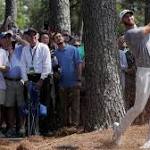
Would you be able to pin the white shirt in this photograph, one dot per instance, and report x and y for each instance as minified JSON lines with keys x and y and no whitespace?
{"x":123,"y":65}
{"x":41,"y":57}
{"x":3,"y":62}
{"x":123,"y":59}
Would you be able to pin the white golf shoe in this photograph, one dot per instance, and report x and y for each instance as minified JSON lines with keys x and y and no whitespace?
{"x":116,"y":134}
{"x":146,"y":145}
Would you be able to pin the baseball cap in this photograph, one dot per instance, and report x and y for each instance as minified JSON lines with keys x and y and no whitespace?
{"x":125,"y":11}
{"x":31,"y":32}
{"x":5,"y":34}
{"x":2,"y":35}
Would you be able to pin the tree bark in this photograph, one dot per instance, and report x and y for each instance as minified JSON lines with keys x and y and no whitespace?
{"x":11,"y":9}
{"x":60,"y":15}
{"x":10,"y":15}
{"x":104,"y":99}
{"x":147,"y":11}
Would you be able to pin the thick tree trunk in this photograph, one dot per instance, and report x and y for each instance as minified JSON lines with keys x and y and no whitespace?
{"x":60,"y":15}
{"x":104,"y":102}
{"x":10,"y":15}
{"x":11,"y":9}
{"x":147,"y":11}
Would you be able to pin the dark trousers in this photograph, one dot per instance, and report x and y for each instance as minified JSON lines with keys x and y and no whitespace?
{"x":70,"y":105}
{"x":47,"y":122}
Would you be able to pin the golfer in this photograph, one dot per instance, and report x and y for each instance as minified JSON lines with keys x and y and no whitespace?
{"x":138,"y":40}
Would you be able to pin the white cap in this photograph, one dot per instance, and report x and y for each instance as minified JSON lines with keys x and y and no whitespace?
{"x":122,"y":13}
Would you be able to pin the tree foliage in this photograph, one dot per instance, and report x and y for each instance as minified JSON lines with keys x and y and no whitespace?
{"x":76,"y":15}
{"x":22,"y":16}
{"x":36,"y":13}
{"x":2,"y":10}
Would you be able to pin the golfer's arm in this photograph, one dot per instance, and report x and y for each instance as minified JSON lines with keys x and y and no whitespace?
{"x":147,"y":29}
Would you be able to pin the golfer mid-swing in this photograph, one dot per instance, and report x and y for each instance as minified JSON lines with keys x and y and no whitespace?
{"x":138,"y":40}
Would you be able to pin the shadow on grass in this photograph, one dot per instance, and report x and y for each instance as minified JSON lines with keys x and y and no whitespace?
{"x":107,"y":145}
{"x":66,"y":147}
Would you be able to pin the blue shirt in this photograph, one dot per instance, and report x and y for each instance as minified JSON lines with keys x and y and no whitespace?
{"x":14,"y":64}
{"x":68,"y":59}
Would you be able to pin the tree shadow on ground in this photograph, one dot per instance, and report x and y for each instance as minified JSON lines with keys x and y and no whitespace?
{"x":66,"y":131}
{"x":107,"y":145}
{"x":66,"y":147}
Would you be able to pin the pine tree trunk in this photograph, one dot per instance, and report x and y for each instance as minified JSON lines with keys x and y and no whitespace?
{"x":147,"y":11}
{"x":10,"y":15}
{"x":11,"y":9}
{"x":104,"y":100}
{"x":60,"y":15}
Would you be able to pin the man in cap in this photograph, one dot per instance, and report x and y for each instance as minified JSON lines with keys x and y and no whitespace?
{"x":14,"y":91}
{"x":3,"y":68}
{"x":139,"y":43}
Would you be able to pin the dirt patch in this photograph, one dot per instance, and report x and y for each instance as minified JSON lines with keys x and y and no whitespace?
{"x":97,"y":140}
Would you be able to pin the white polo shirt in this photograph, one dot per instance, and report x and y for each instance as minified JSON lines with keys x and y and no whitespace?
{"x":3,"y":62}
{"x":38,"y":57}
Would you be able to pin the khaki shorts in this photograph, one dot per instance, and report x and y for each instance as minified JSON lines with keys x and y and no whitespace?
{"x":14,"y":94}
{"x":2,"y":96}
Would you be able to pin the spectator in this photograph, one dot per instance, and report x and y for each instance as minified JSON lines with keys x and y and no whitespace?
{"x":70,"y":80}
{"x":14,"y":91}
{"x":80,"y":46}
{"x":3,"y":68}
{"x":77,"y":43}
{"x":67,"y":36}
{"x":36,"y":65}
{"x":122,"y":58}
{"x":44,"y":38}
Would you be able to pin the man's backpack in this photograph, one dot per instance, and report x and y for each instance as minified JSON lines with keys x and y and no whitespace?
{"x":130,"y":59}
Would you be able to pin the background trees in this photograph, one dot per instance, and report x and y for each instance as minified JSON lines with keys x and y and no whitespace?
{"x":147,"y":11}
{"x":104,"y":97}
{"x":10,"y":14}
{"x":11,"y":9}
{"x":60,"y":15}
{"x":28,"y":12}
